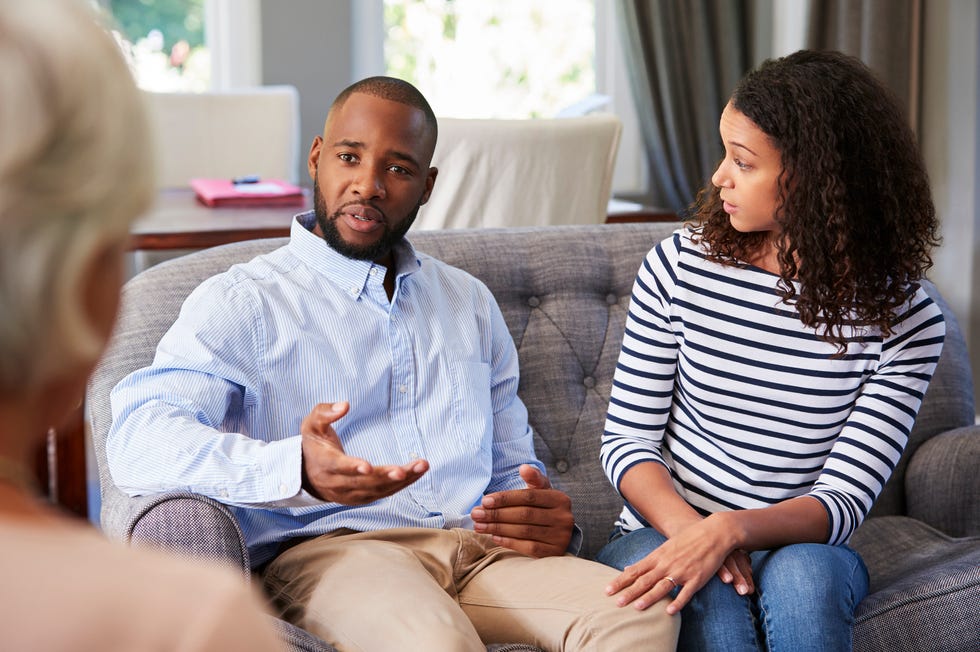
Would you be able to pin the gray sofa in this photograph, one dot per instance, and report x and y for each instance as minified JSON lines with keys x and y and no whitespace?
{"x":564,"y":292}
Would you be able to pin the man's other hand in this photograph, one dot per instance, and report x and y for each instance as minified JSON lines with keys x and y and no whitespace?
{"x":536,"y":521}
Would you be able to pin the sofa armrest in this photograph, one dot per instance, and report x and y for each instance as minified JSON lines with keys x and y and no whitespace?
{"x":191,"y":525}
{"x":942,"y":482}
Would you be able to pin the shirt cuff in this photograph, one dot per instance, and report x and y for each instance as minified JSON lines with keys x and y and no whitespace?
{"x":281,"y":468}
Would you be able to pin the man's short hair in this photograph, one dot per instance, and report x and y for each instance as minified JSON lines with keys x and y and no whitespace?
{"x":394,"y":90}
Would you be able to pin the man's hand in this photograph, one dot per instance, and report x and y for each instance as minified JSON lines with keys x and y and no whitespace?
{"x":536,"y":521}
{"x":332,"y":475}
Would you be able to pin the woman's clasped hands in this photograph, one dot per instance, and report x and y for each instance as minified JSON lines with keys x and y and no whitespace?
{"x":686,"y":561}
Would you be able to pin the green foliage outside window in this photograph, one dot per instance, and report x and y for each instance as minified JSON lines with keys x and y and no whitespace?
{"x":164,"y":42}
{"x":177,"y":20}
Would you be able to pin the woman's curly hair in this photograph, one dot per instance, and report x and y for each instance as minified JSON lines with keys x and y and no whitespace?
{"x":855,"y":209}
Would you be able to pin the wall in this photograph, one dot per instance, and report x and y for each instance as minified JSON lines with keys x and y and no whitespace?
{"x":308,"y":43}
{"x":949,"y":138}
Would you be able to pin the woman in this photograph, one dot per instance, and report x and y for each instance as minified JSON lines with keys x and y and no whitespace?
{"x":74,"y":172}
{"x":775,"y":356}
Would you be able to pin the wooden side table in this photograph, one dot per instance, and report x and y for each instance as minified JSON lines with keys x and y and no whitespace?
{"x":179,"y":221}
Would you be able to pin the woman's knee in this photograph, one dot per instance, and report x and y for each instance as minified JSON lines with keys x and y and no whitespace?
{"x":812,"y":571}
{"x":807,"y":596}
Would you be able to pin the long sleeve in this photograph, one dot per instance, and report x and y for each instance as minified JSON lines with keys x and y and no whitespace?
{"x":869,"y":446}
{"x":174,"y":423}
{"x":513,"y":442}
{"x":643,"y":383}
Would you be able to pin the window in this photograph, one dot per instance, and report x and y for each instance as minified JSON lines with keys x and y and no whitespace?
{"x":501,"y":59}
{"x":164,"y":42}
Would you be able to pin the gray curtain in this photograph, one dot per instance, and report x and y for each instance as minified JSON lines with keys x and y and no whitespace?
{"x":684,"y":59}
{"x":885,"y":34}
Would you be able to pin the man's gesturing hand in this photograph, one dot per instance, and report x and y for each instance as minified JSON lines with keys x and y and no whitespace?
{"x":536,"y":521}
{"x":332,"y":475}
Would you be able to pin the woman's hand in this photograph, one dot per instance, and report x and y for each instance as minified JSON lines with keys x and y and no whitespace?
{"x":737,"y":571}
{"x":687,"y":560}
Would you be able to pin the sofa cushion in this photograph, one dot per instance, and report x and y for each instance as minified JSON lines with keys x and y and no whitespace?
{"x":925,"y":588}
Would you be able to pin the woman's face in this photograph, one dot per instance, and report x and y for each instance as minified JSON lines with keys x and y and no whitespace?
{"x":748,"y":177}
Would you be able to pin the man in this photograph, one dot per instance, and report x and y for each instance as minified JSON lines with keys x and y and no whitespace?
{"x":409,"y":511}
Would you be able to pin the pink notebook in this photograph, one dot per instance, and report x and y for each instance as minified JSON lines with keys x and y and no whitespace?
{"x":264,"y":192}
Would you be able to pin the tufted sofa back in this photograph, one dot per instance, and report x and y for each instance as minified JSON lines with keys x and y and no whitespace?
{"x":564,"y":292}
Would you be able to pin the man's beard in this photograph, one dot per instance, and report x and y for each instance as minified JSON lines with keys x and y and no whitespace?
{"x":328,"y":226}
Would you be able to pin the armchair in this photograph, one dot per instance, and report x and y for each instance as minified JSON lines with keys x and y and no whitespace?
{"x":497,"y":173}
{"x":226,"y":134}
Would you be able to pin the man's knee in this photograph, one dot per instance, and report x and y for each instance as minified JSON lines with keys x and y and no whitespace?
{"x":626,"y":628}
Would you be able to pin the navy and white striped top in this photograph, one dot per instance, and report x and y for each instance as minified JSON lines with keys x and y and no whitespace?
{"x":721,"y":382}
{"x":432,"y":374}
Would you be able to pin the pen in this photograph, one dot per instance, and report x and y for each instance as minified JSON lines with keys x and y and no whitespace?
{"x":251,"y":178}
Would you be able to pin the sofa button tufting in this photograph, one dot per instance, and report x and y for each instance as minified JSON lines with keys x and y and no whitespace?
{"x":562,"y":466}
{"x":612,"y":299}
{"x":534,"y":302}
{"x":589,"y":382}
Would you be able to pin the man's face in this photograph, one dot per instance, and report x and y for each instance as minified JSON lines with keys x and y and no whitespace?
{"x":371,"y":175}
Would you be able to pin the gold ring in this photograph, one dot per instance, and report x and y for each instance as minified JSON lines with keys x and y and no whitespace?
{"x":671,"y":580}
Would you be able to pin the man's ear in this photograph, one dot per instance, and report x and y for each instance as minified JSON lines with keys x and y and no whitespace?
{"x":430,"y":181}
{"x":313,"y":161}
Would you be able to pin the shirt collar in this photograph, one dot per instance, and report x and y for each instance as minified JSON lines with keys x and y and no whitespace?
{"x":349,"y":274}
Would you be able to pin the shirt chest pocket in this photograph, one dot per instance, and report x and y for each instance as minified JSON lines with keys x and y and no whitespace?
{"x":472,"y":410}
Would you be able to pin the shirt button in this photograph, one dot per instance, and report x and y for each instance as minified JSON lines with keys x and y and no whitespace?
{"x":562,"y":466}
{"x":612,"y":299}
{"x":223,"y":493}
{"x":283,"y":488}
{"x":354,"y":289}
{"x":402,"y":388}
{"x":534,"y":302}
{"x":589,"y":382}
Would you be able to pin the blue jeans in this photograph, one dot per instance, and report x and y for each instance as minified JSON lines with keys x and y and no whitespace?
{"x":805,"y":596}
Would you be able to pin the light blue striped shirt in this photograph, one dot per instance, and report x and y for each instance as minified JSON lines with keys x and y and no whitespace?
{"x":433,"y":374}
{"x":721,"y":382}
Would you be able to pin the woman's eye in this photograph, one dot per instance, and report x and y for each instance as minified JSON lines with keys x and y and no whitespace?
{"x":741,"y":165}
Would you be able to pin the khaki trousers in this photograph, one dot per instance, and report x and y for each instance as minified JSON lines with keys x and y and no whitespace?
{"x":454,"y":590}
